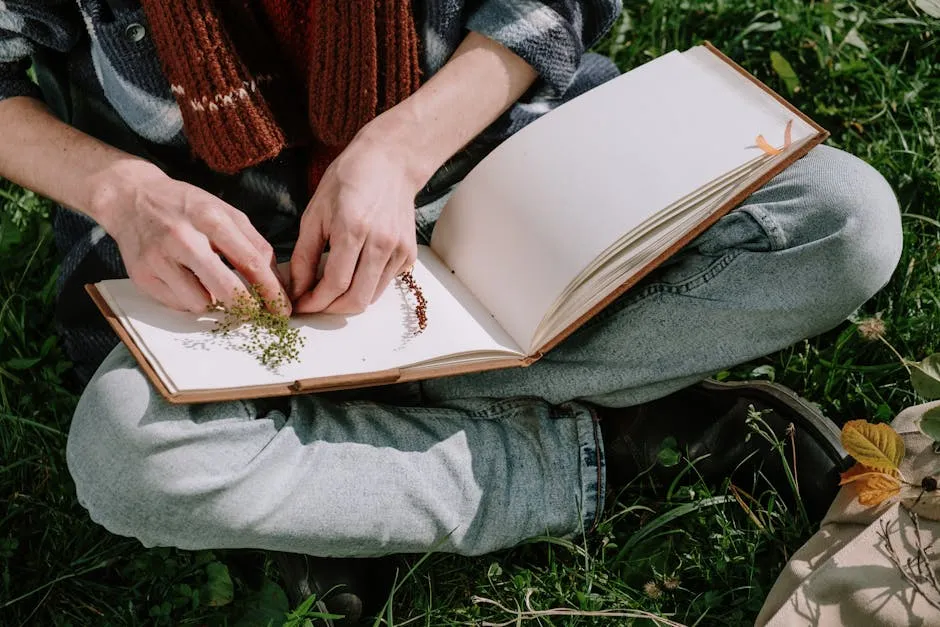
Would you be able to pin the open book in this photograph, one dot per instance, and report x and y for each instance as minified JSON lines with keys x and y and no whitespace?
{"x":552,"y":226}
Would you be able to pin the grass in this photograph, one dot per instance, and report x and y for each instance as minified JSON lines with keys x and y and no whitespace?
{"x":868,"y":71}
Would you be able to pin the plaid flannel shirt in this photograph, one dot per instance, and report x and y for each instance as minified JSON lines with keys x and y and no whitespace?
{"x":109,"y":83}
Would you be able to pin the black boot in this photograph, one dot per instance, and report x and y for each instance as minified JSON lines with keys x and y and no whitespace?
{"x":710,"y":424}
{"x":355,"y":589}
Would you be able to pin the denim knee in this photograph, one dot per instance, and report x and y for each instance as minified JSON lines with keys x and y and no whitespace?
{"x":108,"y":454}
{"x":849,"y":213}
{"x":872,"y":239}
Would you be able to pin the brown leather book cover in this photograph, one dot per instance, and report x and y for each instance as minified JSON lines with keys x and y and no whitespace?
{"x":397,"y":375}
{"x":303,"y":386}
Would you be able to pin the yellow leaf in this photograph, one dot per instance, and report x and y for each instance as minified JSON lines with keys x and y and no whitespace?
{"x":876,"y":488}
{"x":877,"y":446}
{"x":872,"y":486}
{"x":853,"y":474}
{"x":860,"y":471}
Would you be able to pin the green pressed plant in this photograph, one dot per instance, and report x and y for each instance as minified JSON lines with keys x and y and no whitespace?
{"x":259,"y":326}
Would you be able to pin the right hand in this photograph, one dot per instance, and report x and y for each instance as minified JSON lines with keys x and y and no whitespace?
{"x":171,"y":235}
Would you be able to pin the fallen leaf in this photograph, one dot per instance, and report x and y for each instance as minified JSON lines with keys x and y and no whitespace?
{"x":877,"y":446}
{"x":854,"y":473}
{"x":860,"y":472}
{"x":876,"y":488}
{"x":872,"y":486}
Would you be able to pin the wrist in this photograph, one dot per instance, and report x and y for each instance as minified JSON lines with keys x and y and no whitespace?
{"x":400,"y":133}
{"x":115,"y":188}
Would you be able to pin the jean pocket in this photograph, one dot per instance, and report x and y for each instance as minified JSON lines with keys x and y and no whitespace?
{"x":737,"y":230}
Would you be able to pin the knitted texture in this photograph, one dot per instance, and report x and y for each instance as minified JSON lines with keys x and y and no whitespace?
{"x":234,"y":102}
{"x":550,"y":35}
{"x":127,"y":101}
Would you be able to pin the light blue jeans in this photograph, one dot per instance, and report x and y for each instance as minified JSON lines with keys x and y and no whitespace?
{"x":475,"y":463}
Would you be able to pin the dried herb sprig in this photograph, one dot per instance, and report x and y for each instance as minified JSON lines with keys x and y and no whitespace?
{"x":421,"y":303}
{"x":265,"y":329}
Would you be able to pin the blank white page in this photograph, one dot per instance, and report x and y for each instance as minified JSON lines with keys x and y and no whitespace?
{"x":538,"y":210}
{"x":188,"y":356}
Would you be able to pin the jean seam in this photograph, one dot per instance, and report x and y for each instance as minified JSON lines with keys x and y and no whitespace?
{"x":498,"y":409}
{"x":601,"y":469}
{"x":775,"y":234}
{"x":571,"y":411}
{"x":509,"y":409}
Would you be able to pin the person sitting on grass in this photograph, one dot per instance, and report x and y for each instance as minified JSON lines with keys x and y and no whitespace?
{"x":178,"y":136}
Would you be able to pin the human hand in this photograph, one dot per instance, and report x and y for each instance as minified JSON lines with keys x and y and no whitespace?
{"x":172,"y":237}
{"x":364,"y":207}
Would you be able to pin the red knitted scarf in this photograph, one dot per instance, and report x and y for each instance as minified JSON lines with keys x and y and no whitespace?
{"x":239,"y":71}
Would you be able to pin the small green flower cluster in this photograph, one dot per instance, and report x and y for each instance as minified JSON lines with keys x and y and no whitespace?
{"x":266,"y":330}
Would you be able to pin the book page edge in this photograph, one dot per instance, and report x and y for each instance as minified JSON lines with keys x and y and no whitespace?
{"x":98,"y":298}
{"x":756,"y":81}
{"x":303,"y":386}
{"x":730,"y":204}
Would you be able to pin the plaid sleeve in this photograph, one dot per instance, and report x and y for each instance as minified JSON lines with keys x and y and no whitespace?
{"x":24,"y":26}
{"x":551,"y":35}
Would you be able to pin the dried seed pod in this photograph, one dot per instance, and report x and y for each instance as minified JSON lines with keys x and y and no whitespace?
{"x":421,"y":303}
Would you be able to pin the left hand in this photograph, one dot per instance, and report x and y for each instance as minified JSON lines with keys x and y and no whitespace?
{"x":364,"y":207}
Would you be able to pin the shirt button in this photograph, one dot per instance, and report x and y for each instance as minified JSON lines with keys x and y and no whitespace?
{"x":135,"y":32}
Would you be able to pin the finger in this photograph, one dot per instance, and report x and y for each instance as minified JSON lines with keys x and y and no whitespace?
{"x":196,"y":257}
{"x":184,"y":286}
{"x":395,"y":266}
{"x":253,"y":264}
{"x":373,"y":259}
{"x":247,"y":229}
{"x":337,"y":276}
{"x":159,"y":291}
{"x":305,"y":259}
{"x":257,"y":240}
